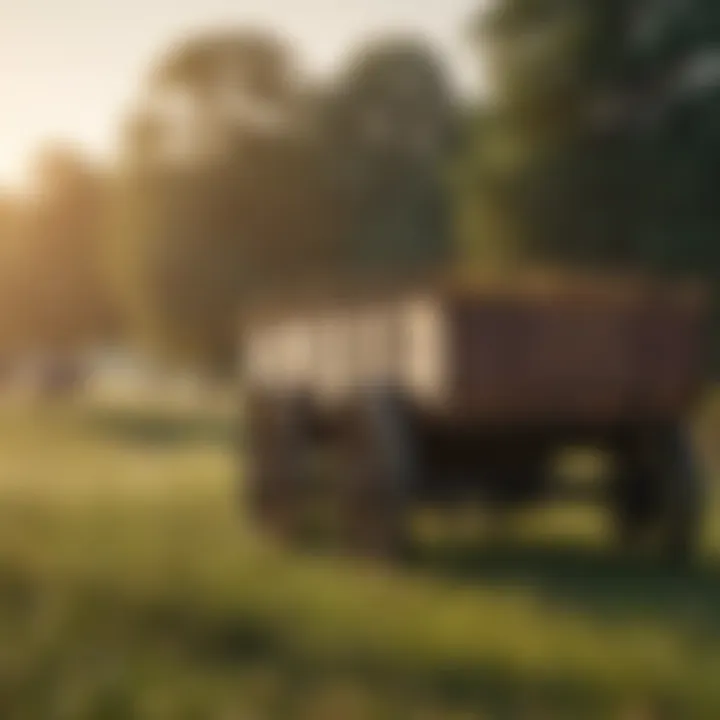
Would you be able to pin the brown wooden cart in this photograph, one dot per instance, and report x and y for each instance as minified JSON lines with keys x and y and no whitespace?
{"x":454,"y":390}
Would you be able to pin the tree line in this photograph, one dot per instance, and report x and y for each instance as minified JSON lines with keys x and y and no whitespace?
{"x":52,"y":270}
{"x":597,"y":145}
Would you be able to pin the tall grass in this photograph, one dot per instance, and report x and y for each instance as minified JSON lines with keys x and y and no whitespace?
{"x":130,"y":588}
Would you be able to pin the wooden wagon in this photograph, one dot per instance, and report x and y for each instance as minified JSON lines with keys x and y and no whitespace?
{"x":455,"y":389}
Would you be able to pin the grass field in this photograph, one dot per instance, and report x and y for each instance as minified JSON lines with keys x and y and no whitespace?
{"x":129,"y":588}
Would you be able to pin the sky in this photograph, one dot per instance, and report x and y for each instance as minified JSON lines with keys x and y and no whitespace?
{"x":69,"y":68}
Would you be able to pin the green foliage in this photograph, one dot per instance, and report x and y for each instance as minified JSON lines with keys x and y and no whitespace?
{"x":525,"y":196}
{"x":351,"y":184}
{"x":391,"y":121}
{"x":539,"y":185}
{"x":545,"y":52}
{"x":238,"y":209}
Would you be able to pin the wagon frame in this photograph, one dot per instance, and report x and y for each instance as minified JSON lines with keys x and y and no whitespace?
{"x":442,"y":389}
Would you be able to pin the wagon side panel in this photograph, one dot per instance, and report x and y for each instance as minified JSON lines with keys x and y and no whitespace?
{"x":576,"y":357}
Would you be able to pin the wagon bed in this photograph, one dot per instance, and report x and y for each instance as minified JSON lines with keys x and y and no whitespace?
{"x":536,"y":347}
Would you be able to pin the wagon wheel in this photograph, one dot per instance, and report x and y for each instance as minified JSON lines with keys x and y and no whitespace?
{"x":683,"y":495}
{"x":659,"y":493}
{"x":276,"y":453}
{"x":377,"y":473}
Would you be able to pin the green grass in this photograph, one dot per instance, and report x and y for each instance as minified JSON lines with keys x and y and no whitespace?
{"x":129,"y":588}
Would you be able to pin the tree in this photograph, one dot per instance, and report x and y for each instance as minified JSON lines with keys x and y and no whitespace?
{"x":54,"y":261}
{"x":391,"y":125}
{"x":10,"y":282}
{"x":543,"y":181}
{"x":679,"y":142}
{"x":221,"y":199}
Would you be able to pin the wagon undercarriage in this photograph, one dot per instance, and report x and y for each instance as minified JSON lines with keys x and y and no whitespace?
{"x":471,"y":399}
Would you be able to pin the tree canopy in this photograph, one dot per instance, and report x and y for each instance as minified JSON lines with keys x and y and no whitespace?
{"x":55,"y":297}
{"x":598,"y":144}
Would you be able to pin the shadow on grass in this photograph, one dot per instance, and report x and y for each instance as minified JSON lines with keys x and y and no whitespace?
{"x":590,"y":580}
